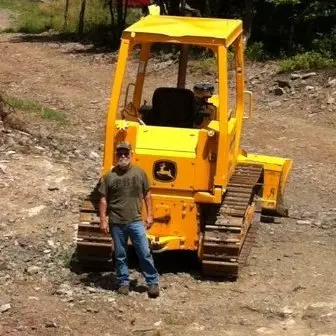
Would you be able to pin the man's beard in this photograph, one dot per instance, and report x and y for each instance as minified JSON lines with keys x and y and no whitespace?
{"x":123,"y":162}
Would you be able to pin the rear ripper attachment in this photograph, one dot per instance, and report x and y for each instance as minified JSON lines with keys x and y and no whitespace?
{"x":229,"y":229}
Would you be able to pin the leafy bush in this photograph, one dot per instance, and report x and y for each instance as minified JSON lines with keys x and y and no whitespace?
{"x":255,"y":52}
{"x":326,"y":45}
{"x":306,"y":61}
{"x":33,"y":22}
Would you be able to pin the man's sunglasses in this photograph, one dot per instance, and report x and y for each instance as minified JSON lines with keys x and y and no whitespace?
{"x":123,"y":153}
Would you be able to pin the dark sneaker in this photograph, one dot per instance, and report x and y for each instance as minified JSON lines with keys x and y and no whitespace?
{"x":153,"y":291}
{"x":123,"y":289}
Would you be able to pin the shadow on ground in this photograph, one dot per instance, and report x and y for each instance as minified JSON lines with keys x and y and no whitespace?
{"x":99,"y":41}
{"x":170,"y":262}
{"x":103,"y":274}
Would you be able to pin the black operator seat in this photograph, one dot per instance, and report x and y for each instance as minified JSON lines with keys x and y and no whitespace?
{"x":172,"y":107}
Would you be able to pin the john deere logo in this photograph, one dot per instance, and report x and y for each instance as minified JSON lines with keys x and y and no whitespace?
{"x":164,"y":171}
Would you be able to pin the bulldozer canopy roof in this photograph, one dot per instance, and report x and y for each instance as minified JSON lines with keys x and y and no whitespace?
{"x":207,"y":30}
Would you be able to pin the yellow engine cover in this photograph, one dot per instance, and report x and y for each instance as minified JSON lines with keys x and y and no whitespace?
{"x":175,"y":159}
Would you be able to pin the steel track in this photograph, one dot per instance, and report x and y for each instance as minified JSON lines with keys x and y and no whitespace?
{"x":93,"y":248}
{"x":229,"y":229}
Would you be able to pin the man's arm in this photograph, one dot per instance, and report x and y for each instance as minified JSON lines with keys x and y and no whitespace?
{"x":103,"y":205}
{"x":148,"y":200}
{"x":149,"y":209}
{"x":102,"y":214}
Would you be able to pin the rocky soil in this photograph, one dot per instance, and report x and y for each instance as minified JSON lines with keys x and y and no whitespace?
{"x":47,"y":167}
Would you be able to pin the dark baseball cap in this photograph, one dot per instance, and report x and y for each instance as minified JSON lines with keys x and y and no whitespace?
{"x":124,"y":145}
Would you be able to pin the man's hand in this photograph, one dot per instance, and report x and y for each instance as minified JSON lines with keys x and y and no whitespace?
{"x":103,"y":226}
{"x":149,"y":222}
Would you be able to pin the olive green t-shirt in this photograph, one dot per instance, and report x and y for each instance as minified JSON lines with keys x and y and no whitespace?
{"x":124,"y":191}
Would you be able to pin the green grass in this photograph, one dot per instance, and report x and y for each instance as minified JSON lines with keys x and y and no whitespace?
{"x":29,"y":18}
{"x":34,"y":107}
{"x":306,"y":61}
{"x":10,"y":4}
{"x":204,"y":66}
{"x":34,"y":17}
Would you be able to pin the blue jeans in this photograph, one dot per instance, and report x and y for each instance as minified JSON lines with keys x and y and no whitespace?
{"x":137,"y":233}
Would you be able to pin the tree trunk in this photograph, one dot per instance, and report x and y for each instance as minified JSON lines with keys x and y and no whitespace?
{"x":125,"y":14}
{"x":119,"y":12}
{"x":248,"y":20}
{"x":290,"y":47}
{"x":111,"y":10}
{"x":66,"y":10}
{"x":81,"y":18}
{"x":121,"y":15}
{"x":215,"y":10}
{"x":207,"y":8}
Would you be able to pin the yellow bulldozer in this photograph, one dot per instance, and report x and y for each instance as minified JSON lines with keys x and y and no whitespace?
{"x":208,"y":192}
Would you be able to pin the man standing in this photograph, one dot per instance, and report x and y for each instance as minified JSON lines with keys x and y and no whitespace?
{"x":122,"y":191}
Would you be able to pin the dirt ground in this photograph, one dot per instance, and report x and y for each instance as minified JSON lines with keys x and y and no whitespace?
{"x":289,"y":284}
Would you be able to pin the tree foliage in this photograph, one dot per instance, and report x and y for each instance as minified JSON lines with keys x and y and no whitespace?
{"x":271,"y":27}
{"x":282,"y":26}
